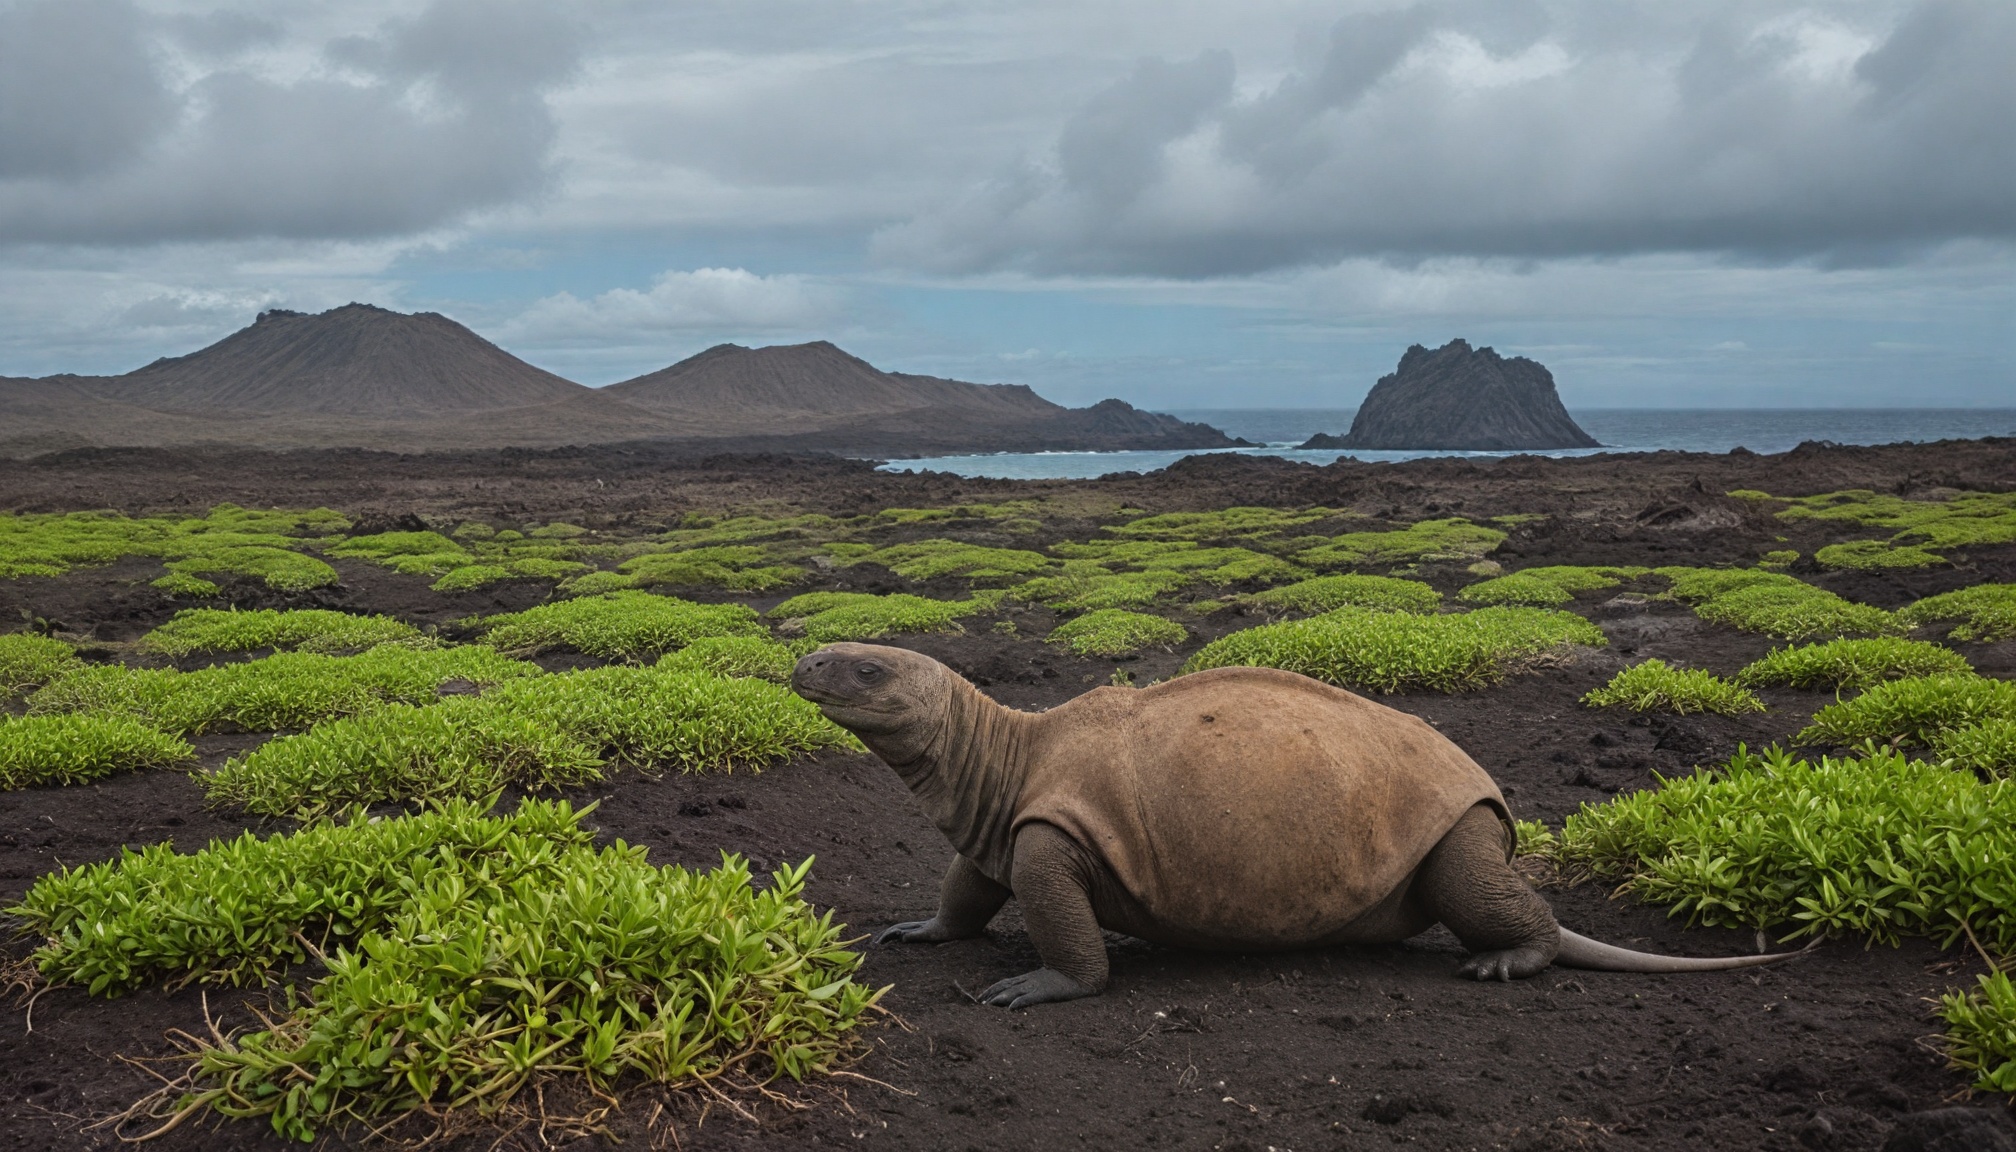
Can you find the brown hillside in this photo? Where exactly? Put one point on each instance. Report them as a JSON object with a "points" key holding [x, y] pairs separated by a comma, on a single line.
{"points": [[356, 360], [732, 390]]}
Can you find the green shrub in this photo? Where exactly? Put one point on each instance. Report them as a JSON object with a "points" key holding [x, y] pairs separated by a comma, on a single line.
{"points": [[1116, 632], [1878, 847], [1981, 1032], [742, 568], [304, 629], [1912, 712], [1874, 555], [1778, 558], [1988, 748], [1775, 604], [29, 661], [1327, 593], [1395, 651], [1842, 664], [1532, 838], [1654, 685], [598, 966], [757, 656], [412, 553], [470, 577], [534, 733], [1548, 586], [77, 749], [241, 910], [1987, 612], [827, 617], [276, 567], [1428, 540], [617, 625], [930, 559], [289, 690]]}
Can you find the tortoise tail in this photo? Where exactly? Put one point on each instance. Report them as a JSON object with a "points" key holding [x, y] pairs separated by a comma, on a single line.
{"points": [[1579, 951]]}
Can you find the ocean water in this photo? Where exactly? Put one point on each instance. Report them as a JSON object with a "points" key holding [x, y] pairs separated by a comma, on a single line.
{"points": [[1763, 430]]}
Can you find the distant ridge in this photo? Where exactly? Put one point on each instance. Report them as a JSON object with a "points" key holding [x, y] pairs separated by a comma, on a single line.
{"points": [[363, 376], [357, 360], [1457, 398], [809, 384]]}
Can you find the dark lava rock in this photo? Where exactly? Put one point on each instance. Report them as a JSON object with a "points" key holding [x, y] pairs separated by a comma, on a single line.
{"points": [[1951, 1130], [1462, 399]]}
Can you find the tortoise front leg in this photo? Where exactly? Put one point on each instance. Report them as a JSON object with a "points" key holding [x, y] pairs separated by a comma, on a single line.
{"points": [[967, 901], [1052, 885]]}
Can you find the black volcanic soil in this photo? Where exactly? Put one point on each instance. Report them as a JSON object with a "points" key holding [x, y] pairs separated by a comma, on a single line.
{"points": [[1341, 1049]]}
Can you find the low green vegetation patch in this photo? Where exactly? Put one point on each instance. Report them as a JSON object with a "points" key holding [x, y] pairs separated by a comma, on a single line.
{"points": [[1875, 555], [465, 955], [1775, 604], [29, 661], [1548, 586], [301, 629], [289, 690], [1986, 612], [1981, 1032], [1911, 713], [1843, 664], [1085, 585], [931, 559], [757, 656], [1241, 523], [627, 625], [1988, 748], [1194, 562], [1116, 632], [1398, 651], [229, 539], [78, 749], [1878, 846], [1328, 593], [828, 617], [1959, 520], [1655, 685], [411, 553], [737, 567], [530, 734], [1428, 540]]}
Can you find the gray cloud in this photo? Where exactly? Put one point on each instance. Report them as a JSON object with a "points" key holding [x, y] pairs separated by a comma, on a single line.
{"points": [[1764, 131], [409, 128]]}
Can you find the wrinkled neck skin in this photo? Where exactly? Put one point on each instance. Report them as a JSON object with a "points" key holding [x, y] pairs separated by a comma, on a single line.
{"points": [[967, 774]]}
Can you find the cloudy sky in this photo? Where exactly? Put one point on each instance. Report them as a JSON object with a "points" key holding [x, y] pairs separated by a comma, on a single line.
{"points": [[1185, 203]]}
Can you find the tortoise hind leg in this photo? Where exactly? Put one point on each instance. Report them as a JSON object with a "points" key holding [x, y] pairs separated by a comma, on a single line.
{"points": [[1467, 883]]}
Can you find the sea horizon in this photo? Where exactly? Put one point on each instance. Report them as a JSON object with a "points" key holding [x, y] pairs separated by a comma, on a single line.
{"points": [[1717, 430]]}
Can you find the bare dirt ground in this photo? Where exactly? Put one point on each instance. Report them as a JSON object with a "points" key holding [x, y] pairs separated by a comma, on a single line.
{"points": [[1347, 1048]]}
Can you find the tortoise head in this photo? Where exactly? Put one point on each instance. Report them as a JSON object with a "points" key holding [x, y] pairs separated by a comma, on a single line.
{"points": [[893, 698]]}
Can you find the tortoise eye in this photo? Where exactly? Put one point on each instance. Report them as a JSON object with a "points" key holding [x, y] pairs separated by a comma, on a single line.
{"points": [[869, 671]]}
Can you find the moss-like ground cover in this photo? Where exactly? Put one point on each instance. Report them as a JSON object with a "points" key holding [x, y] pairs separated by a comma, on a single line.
{"points": [[757, 656], [1842, 664], [1327, 593], [535, 733], [829, 617], [465, 955], [229, 540], [289, 690], [1116, 632], [627, 625], [1398, 651], [1875, 555], [1427, 540], [301, 629], [1548, 586], [1654, 685]]}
